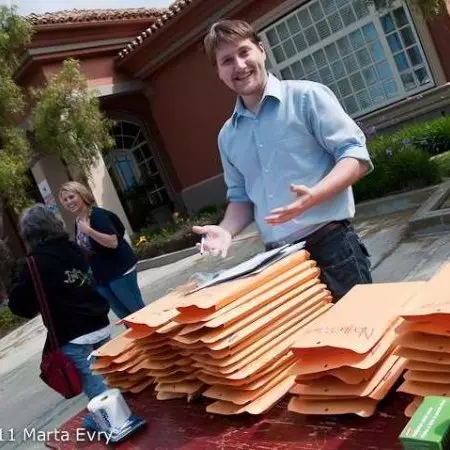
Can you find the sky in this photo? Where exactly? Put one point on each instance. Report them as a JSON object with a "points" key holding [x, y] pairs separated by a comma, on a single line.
{"points": [[40, 6]]}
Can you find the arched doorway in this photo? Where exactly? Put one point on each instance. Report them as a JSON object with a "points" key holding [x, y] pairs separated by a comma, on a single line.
{"points": [[135, 173]]}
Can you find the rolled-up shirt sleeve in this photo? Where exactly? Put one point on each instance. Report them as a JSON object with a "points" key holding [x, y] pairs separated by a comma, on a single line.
{"points": [[234, 179], [336, 131]]}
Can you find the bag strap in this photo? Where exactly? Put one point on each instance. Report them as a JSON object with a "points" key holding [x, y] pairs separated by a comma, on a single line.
{"points": [[42, 299]]}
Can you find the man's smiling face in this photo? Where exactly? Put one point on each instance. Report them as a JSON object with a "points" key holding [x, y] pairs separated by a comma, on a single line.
{"points": [[241, 66]]}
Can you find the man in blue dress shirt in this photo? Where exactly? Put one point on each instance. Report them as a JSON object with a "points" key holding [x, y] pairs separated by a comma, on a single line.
{"points": [[290, 155]]}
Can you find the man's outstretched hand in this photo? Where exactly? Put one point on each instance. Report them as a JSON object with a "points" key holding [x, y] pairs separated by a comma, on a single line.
{"points": [[303, 202], [217, 240]]}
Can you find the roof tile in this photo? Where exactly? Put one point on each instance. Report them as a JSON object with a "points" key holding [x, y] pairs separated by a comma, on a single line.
{"points": [[93, 15], [174, 9]]}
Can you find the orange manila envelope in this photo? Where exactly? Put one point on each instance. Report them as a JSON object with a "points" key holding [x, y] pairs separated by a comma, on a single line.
{"points": [[424, 341], [434, 327], [195, 317], [168, 395], [262, 340], [216, 297], [340, 358], [266, 314], [381, 384], [140, 332], [428, 377], [274, 352], [241, 396], [352, 375], [333, 387], [426, 366], [185, 387], [102, 363], [423, 355], [116, 346], [243, 307], [413, 406], [285, 290], [265, 371], [273, 320], [141, 386], [432, 298], [242, 338], [275, 345], [364, 407], [424, 389], [268, 340], [359, 320], [258, 406], [258, 338], [156, 313], [177, 377]]}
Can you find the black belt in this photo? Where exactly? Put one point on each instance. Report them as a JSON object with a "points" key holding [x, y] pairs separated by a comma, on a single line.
{"points": [[315, 237]]}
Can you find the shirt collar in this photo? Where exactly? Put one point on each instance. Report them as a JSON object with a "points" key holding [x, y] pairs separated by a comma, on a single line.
{"points": [[273, 89]]}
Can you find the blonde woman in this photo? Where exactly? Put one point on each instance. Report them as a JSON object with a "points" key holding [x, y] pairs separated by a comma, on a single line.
{"points": [[111, 258]]}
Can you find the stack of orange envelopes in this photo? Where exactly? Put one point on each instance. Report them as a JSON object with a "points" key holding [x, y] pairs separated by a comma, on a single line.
{"points": [[424, 340], [230, 341], [345, 361]]}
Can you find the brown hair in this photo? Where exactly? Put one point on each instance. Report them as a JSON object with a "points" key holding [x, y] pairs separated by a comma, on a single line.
{"points": [[228, 31], [77, 188]]}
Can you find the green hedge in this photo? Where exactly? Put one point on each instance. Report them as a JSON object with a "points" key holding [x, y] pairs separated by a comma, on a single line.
{"points": [[432, 136], [8, 321], [178, 235], [443, 162], [402, 159], [397, 169]]}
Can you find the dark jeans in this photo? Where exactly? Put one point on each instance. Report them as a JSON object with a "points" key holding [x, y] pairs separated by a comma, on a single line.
{"points": [[342, 258]]}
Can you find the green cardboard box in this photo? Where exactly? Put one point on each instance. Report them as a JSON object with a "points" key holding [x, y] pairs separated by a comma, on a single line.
{"points": [[429, 427]]}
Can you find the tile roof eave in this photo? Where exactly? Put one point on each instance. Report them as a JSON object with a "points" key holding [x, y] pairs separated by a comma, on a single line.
{"points": [[173, 11], [94, 16]]}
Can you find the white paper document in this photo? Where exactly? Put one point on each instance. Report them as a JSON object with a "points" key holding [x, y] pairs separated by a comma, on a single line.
{"points": [[254, 265]]}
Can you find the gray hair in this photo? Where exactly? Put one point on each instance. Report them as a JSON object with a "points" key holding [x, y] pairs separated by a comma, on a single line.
{"points": [[38, 224]]}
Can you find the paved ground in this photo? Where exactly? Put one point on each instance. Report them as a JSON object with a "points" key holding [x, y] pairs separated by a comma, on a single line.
{"points": [[27, 403]]}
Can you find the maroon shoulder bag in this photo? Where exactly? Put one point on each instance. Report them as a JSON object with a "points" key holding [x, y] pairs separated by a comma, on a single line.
{"points": [[57, 370]]}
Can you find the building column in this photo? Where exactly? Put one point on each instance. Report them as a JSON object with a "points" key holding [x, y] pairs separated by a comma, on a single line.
{"points": [[105, 193], [50, 173]]}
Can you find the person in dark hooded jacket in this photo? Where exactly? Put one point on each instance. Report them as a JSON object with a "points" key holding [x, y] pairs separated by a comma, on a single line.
{"points": [[79, 314]]}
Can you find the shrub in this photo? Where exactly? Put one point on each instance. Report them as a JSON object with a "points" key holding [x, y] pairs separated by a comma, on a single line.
{"points": [[153, 241], [8, 321], [397, 169], [443, 162], [432, 136]]}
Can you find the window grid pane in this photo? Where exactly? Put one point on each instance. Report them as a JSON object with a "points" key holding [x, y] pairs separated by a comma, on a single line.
{"points": [[368, 58]]}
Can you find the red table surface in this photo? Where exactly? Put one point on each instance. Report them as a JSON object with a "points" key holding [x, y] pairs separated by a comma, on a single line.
{"points": [[175, 424]]}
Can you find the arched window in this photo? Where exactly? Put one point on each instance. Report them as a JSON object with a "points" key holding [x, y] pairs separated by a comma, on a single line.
{"points": [[134, 171]]}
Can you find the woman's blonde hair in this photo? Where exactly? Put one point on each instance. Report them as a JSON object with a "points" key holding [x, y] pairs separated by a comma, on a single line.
{"points": [[77, 188]]}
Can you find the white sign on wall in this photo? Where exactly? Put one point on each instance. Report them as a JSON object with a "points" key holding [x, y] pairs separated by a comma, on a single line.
{"points": [[48, 197]]}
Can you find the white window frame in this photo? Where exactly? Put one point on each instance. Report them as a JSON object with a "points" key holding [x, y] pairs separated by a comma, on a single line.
{"points": [[373, 17], [138, 167]]}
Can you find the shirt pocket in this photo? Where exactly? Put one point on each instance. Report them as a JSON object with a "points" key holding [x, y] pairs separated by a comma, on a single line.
{"points": [[292, 157]]}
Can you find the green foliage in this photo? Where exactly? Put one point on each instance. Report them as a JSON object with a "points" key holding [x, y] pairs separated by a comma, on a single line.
{"points": [[15, 32], [67, 120], [397, 169], [8, 321], [432, 136], [443, 163], [402, 159], [178, 235]]}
